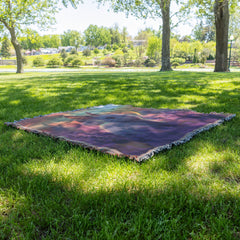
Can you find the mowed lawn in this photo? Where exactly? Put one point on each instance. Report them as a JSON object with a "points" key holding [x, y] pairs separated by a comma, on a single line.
{"points": [[53, 190]]}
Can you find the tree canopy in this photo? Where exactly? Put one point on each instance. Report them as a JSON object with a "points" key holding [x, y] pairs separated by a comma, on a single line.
{"points": [[17, 15], [71, 38], [97, 36]]}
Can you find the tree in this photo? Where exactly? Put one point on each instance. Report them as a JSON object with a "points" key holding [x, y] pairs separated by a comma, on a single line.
{"points": [[144, 9], [124, 35], [5, 50], [205, 32], [51, 41], [234, 25], [97, 36], [154, 48], [31, 41], [72, 38], [221, 10], [144, 35], [15, 15], [115, 35]]}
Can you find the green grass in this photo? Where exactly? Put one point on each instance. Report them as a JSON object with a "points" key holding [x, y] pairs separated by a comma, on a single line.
{"points": [[53, 190]]}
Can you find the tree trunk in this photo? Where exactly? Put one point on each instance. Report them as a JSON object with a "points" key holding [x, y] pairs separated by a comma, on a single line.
{"points": [[221, 12], [165, 8], [17, 48]]}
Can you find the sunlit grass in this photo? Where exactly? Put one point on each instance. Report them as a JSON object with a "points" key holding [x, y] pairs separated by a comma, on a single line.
{"points": [[53, 190]]}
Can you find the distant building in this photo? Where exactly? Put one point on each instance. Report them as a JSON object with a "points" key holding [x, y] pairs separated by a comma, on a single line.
{"points": [[48, 50], [137, 43], [67, 48], [82, 48]]}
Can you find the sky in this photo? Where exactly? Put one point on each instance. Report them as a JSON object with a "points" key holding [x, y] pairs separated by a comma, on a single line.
{"points": [[88, 13]]}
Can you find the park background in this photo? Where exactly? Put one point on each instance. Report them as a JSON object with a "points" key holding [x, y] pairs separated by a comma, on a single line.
{"points": [[94, 36]]}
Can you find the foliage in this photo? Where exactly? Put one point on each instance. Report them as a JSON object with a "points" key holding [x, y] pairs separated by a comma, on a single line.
{"points": [[68, 60], [175, 64], [96, 50], [97, 62], [97, 36], [72, 38], [109, 47], [73, 61], [150, 62], [105, 51], [54, 62], [30, 40], [145, 35], [205, 33], [115, 47], [178, 60], [192, 50], [219, 11], [38, 62], [115, 35], [140, 50], [125, 50], [118, 52], [51, 41], [63, 54], [154, 48], [234, 25], [24, 60], [18, 14], [5, 49], [74, 51], [138, 62], [109, 62], [119, 60], [86, 52], [124, 35], [76, 62]]}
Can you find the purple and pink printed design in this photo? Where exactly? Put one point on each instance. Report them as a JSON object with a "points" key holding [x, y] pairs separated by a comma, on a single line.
{"points": [[123, 130]]}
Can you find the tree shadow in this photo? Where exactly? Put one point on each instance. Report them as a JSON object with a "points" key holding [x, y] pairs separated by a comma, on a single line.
{"points": [[162, 198]]}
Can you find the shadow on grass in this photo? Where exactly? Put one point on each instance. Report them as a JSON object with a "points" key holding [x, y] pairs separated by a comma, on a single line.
{"points": [[49, 208], [110, 198]]}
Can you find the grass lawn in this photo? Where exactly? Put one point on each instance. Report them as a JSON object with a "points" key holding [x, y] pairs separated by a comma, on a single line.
{"points": [[52, 190]]}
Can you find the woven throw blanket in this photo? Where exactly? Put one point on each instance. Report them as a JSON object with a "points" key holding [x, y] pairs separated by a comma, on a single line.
{"points": [[123, 130]]}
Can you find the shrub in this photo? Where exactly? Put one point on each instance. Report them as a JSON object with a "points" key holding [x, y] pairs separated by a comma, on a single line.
{"points": [[96, 50], [126, 59], [63, 54], [54, 62], [105, 52], [175, 64], [86, 52], [38, 62], [118, 52], [109, 61], [178, 60], [150, 62], [131, 46], [125, 50], [76, 62], [97, 62], [138, 62], [119, 60], [74, 51], [203, 59], [109, 48], [68, 60], [115, 46]]}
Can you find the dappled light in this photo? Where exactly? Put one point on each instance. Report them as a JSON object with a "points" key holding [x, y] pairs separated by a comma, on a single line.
{"points": [[51, 188]]}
